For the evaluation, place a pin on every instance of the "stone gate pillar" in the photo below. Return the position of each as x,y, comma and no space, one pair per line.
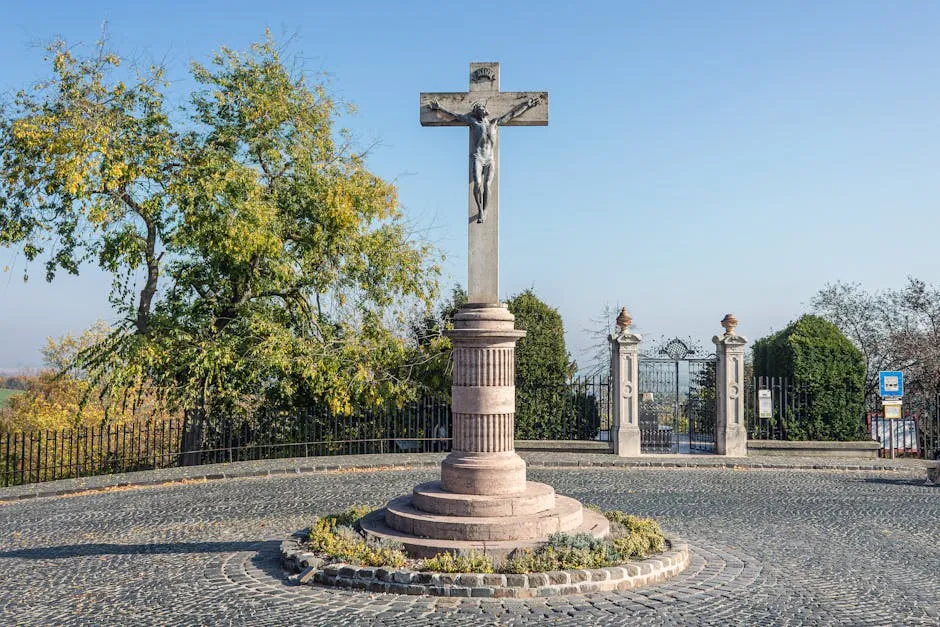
730,387
624,369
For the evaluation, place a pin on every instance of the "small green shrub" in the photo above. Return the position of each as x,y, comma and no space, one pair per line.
580,541
352,515
334,536
635,537
450,563
562,558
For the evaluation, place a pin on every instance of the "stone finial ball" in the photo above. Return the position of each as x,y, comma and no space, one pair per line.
624,320
729,322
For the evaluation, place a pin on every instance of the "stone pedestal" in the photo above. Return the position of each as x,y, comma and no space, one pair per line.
730,427
483,502
483,405
624,369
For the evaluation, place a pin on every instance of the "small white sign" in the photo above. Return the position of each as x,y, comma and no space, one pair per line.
765,405
891,383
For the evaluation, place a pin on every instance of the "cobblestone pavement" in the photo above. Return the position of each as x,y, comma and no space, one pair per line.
770,547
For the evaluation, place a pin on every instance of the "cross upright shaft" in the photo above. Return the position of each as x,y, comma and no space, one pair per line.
502,109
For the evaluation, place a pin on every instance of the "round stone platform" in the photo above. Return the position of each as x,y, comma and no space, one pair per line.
403,516
376,525
431,497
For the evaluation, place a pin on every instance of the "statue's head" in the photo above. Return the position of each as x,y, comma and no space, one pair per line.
478,110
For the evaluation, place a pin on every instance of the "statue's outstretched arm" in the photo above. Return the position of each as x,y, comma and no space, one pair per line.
518,110
436,106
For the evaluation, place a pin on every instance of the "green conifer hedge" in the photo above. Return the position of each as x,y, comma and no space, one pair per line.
818,358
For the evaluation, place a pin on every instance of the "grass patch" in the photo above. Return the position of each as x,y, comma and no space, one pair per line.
6,394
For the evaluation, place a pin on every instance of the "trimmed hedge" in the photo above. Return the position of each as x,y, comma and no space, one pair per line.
541,369
818,358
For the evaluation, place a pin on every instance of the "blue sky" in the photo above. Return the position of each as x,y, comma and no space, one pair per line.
701,158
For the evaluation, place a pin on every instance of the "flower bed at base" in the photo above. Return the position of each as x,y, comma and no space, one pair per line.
335,551
308,568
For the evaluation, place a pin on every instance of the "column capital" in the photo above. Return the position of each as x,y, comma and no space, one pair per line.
730,340
625,338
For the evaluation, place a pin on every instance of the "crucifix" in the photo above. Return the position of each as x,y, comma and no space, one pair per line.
484,109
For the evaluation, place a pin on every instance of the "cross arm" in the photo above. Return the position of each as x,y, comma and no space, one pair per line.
498,103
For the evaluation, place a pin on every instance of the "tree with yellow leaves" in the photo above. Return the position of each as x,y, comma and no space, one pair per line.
255,257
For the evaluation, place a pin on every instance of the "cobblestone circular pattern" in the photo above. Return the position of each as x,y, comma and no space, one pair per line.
654,570
769,547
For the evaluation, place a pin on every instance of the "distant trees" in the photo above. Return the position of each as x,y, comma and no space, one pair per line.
255,258
818,358
14,382
897,329
62,396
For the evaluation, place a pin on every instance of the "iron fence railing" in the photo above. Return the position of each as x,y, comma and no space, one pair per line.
580,409
575,410
916,434
787,398
46,455
27,457
420,426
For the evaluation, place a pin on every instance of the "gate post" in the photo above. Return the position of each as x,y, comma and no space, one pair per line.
624,351
730,428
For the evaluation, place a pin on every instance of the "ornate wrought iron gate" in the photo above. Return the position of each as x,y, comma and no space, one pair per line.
677,401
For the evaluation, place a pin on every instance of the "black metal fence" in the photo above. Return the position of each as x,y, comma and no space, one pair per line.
48,455
916,434
766,421
581,409
576,410
416,427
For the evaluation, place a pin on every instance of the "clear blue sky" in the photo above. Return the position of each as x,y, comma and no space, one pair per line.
701,158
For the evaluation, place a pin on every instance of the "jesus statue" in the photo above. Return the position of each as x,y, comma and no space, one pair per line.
482,134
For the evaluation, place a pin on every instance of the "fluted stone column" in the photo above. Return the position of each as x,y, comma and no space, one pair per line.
624,369
483,459
730,427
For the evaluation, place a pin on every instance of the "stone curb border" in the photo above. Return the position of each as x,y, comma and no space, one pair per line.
309,569
214,472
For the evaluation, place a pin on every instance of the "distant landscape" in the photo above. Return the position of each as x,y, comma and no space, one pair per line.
5,394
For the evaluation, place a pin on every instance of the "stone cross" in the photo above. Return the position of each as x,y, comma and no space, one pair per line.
484,108
483,502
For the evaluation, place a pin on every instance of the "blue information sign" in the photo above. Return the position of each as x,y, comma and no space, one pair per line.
891,384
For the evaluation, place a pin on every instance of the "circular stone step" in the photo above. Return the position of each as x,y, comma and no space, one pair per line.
403,516
374,526
433,499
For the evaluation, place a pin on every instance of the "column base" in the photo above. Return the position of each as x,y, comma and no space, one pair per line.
465,472
731,443
627,442
491,525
